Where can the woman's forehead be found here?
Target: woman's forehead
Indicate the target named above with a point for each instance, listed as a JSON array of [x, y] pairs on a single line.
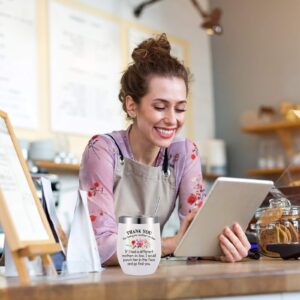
[[167, 85]]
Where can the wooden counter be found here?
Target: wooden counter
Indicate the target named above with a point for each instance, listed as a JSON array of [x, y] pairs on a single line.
[[173, 279]]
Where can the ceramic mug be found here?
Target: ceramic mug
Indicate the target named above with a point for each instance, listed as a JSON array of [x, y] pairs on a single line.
[[139, 244]]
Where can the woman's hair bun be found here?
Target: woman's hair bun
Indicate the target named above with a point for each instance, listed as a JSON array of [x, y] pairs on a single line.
[[152, 48], [151, 57]]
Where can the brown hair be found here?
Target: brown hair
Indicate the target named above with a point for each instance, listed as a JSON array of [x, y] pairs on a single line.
[[151, 57]]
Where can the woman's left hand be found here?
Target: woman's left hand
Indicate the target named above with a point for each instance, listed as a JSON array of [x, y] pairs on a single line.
[[234, 244]]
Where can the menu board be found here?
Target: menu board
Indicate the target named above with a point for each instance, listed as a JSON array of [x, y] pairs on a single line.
[[18, 199], [85, 69], [18, 62]]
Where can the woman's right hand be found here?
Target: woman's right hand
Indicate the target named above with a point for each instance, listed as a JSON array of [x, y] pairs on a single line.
[[170, 243]]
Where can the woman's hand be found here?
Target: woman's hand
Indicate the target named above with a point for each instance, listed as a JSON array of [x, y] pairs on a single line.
[[234, 244], [170, 243]]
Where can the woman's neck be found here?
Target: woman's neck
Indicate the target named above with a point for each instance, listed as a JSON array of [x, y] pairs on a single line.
[[143, 151]]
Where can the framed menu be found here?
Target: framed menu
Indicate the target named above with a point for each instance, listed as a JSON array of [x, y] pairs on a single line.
[[21, 214], [85, 67]]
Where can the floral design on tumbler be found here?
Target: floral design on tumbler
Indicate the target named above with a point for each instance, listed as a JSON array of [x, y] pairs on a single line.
[[139, 243]]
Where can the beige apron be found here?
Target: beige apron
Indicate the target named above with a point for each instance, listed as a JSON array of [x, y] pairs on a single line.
[[142, 190]]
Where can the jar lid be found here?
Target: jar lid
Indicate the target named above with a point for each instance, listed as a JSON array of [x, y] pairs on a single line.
[[138, 219], [285, 211]]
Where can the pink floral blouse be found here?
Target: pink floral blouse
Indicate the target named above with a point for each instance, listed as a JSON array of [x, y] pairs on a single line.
[[97, 178]]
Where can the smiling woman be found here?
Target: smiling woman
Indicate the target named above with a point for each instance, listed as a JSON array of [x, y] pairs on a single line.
[[125, 172]]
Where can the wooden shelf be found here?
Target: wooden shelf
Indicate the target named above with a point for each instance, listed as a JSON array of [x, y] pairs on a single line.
[[281, 128], [272, 127], [261, 172], [60, 168], [270, 172], [74, 169]]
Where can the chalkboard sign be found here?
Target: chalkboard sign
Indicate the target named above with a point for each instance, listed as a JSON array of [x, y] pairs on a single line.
[[21, 215]]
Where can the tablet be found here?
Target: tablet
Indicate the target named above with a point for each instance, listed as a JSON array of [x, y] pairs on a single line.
[[230, 200]]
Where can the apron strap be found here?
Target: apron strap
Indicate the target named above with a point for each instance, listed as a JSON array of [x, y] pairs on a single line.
[[120, 152], [165, 165]]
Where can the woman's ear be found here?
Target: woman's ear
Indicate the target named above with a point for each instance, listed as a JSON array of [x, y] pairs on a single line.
[[131, 106]]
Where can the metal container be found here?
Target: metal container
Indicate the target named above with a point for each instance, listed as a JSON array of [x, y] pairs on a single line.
[[139, 244]]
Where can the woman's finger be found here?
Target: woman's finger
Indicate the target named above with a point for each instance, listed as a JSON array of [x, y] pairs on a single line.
[[235, 243], [235, 253], [241, 235], [227, 257]]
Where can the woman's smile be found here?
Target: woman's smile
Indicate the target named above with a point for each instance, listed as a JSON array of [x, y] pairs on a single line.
[[166, 133]]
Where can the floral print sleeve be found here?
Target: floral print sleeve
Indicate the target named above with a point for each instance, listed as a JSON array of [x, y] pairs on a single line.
[[191, 187], [96, 177]]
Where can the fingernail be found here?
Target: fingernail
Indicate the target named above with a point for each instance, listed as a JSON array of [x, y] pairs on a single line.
[[235, 226]]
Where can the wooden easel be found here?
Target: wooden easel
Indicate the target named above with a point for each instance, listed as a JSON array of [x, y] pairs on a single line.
[[42, 242], [32, 252]]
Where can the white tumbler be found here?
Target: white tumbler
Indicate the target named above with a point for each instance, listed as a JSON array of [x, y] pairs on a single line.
[[139, 244]]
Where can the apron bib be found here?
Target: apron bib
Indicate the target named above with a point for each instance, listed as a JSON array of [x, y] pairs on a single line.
[[143, 190]]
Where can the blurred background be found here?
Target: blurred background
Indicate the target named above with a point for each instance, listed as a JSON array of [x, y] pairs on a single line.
[[60, 62]]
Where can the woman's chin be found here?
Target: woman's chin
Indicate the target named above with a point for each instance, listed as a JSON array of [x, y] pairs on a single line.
[[163, 143]]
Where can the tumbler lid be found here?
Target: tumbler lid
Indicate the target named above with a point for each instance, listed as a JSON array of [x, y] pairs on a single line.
[[138, 220]]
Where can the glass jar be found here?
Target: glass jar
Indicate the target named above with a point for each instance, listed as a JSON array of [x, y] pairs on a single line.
[[139, 244], [277, 224]]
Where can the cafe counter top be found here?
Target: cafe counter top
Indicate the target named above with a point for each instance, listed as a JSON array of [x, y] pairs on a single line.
[[172, 280]]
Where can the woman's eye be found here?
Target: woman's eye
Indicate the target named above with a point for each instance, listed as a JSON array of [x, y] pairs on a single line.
[[177, 110], [159, 108]]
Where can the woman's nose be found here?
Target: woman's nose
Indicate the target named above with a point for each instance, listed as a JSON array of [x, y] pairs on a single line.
[[170, 117]]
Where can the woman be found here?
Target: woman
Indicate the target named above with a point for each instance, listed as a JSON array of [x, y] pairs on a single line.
[[128, 172]]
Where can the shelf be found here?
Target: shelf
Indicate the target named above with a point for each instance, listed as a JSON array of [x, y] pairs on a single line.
[[74, 169], [60, 168], [270, 172], [281, 128], [268, 128], [260, 172]]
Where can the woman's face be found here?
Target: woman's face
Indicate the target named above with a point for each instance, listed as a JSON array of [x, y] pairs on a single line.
[[161, 112]]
